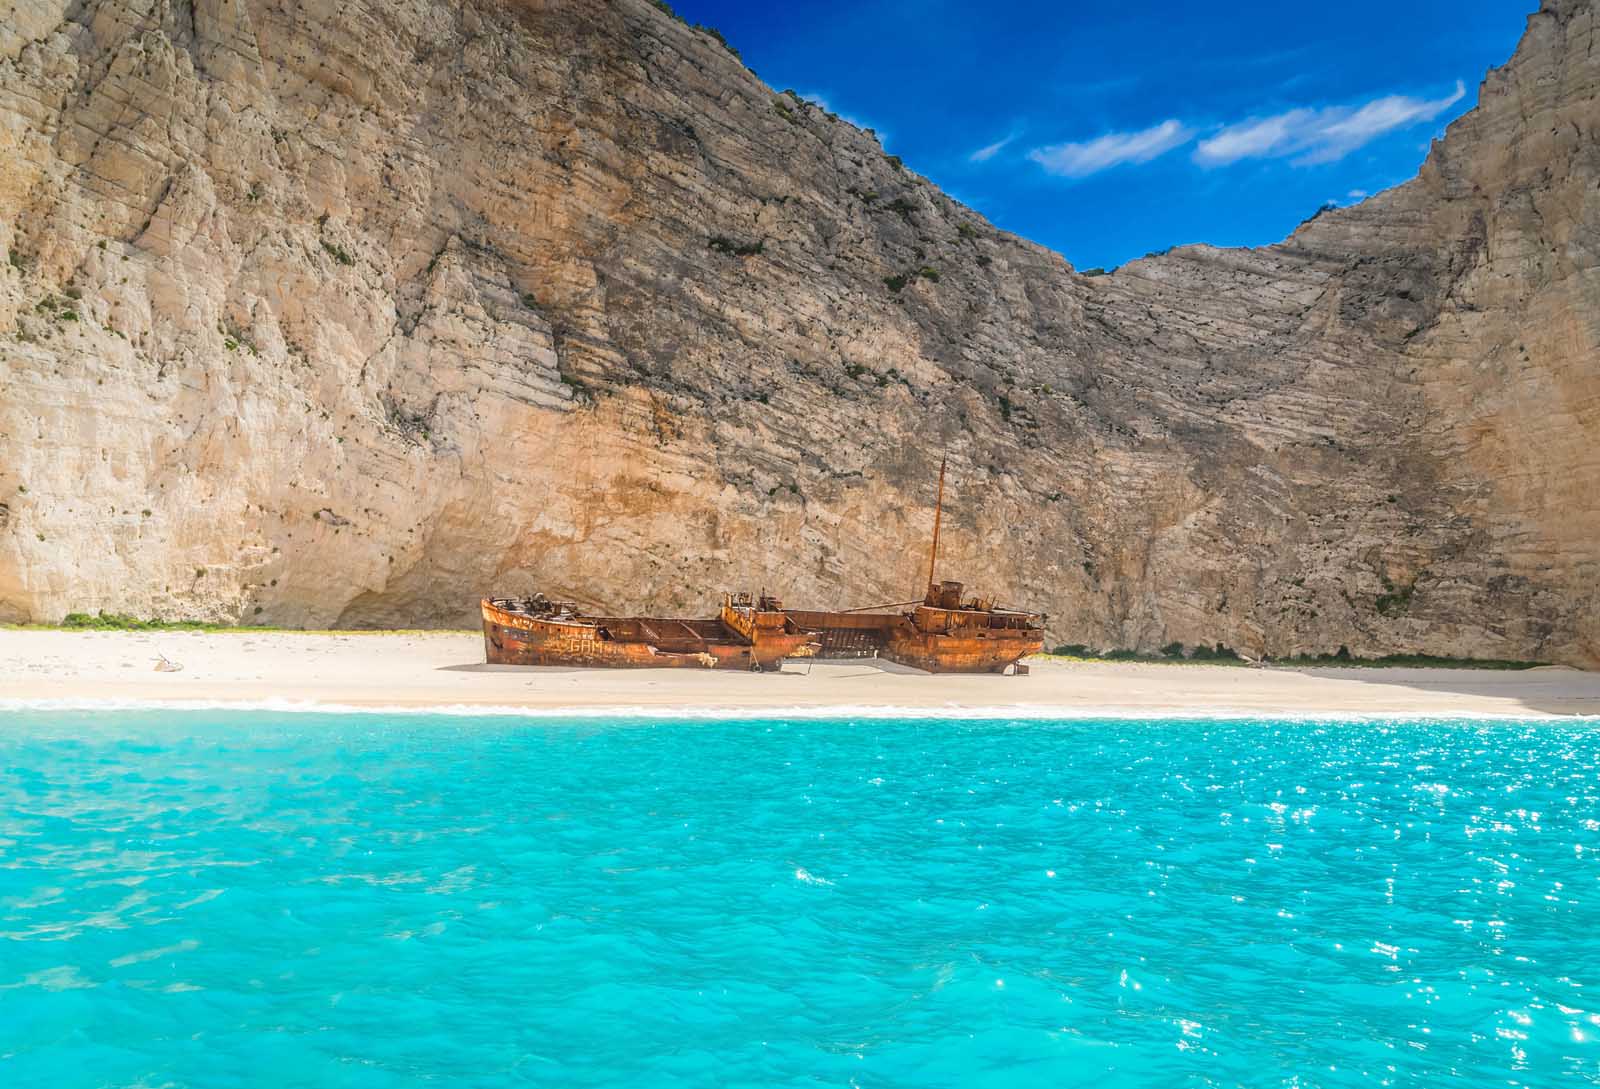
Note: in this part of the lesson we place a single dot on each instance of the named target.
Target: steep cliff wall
(327, 313)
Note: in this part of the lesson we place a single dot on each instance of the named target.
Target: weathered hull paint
(942, 635)
(897, 638)
(848, 635)
(983, 653)
(512, 637)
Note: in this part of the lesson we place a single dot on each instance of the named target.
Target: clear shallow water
(232, 899)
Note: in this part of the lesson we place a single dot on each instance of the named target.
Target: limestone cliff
(327, 314)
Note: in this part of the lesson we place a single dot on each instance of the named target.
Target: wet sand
(421, 670)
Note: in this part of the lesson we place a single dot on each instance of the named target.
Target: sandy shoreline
(422, 670)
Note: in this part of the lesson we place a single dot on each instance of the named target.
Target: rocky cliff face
(333, 314)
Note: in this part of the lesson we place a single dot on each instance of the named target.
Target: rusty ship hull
(969, 638)
(963, 640)
(743, 635)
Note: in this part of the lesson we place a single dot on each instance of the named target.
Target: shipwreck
(944, 631)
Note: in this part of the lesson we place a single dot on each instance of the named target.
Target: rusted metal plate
(979, 652)
(847, 635)
(942, 635)
(538, 632)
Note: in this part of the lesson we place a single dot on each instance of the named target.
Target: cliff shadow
(1550, 690)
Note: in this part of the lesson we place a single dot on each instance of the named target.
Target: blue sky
(1108, 130)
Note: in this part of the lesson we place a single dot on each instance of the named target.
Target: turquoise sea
(215, 899)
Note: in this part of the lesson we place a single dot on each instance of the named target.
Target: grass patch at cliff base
(104, 621)
(1174, 654)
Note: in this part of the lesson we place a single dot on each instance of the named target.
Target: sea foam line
(1021, 712)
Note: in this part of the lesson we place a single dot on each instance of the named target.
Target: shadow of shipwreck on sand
(485, 667)
(794, 667)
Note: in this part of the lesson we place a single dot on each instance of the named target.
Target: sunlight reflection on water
(363, 901)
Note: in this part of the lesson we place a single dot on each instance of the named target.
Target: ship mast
(938, 510)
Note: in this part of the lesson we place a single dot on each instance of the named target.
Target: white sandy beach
(417, 670)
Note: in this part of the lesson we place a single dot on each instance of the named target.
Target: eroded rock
(564, 297)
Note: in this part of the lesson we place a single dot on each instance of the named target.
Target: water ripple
(229, 897)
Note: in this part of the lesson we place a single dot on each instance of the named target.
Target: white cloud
(1357, 194)
(1254, 139)
(984, 154)
(1322, 135)
(1113, 149)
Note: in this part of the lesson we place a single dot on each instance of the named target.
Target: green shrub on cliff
(711, 31)
(723, 244)
(338, 252)
(902, 206)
